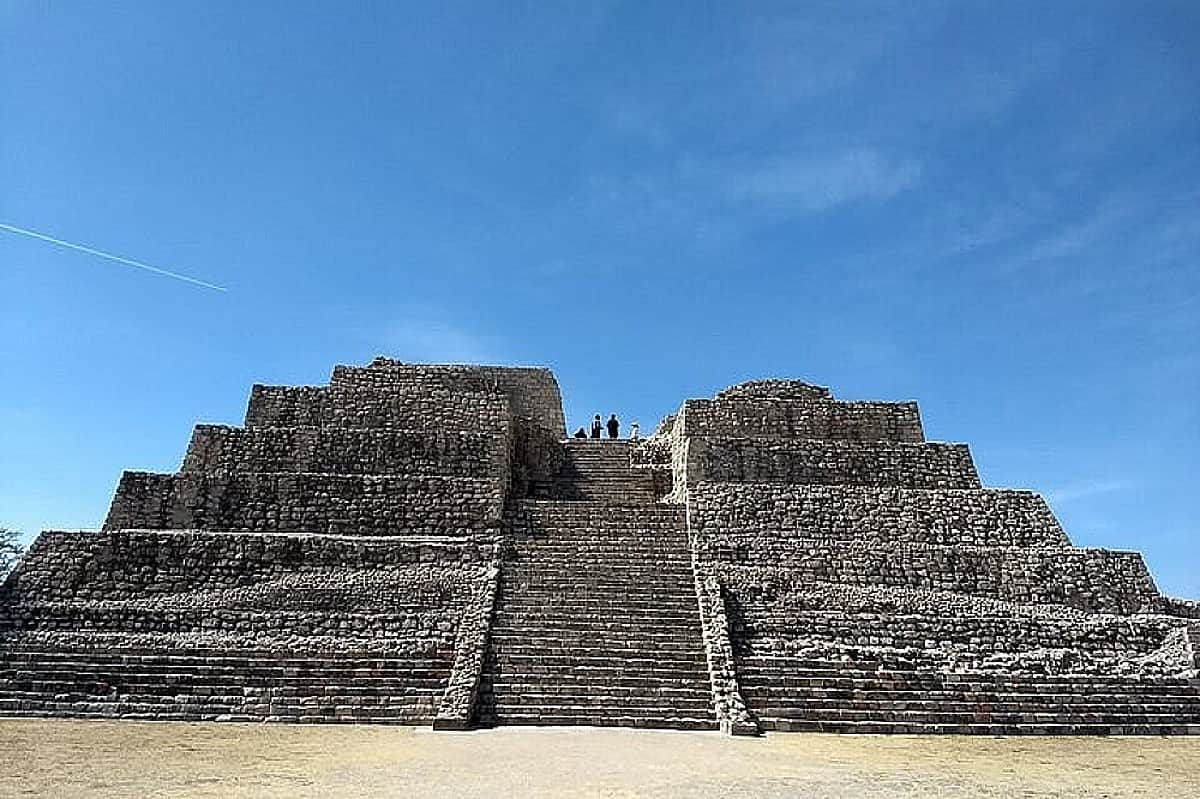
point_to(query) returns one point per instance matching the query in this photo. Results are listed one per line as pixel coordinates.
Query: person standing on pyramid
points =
(614, 427)
(596, 426)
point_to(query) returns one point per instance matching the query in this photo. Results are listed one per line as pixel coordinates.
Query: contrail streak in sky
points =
(43, 237)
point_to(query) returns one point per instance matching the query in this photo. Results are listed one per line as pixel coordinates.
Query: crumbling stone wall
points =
(835, 534)
(989, 517)
(354, 406)
(532, 393)
(125, 563)
(345, 450)
(755, 460)
(387, 449)
(1089, 579)
(787, 417)
(774, 389)
(308, 503)
(205, 585)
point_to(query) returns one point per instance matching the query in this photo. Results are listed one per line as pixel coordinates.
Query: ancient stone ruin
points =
(422, 545)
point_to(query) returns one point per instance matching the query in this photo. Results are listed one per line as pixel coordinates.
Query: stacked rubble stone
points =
(421, 544)
(860, 579)
(333, 560)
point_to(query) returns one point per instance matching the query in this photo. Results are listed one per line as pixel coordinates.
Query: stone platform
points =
(421, 544)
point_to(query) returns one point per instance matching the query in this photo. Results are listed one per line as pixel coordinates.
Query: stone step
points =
(88, 682)
(656, 616)
(607, 587)
(175, 711)
(596, 604)
(523, 591)
(611, 588)
(976, 714)
(849, 677)
(340, 697)
(636, 539)
(580, 518)
(244, 671)
(599, 662)
(581, 653)
(619, 560)
(649, 626)
(557, 717)
(203, 677)
(589, 563)
(547, 510)
(602, 635)
(911, 728)
(771, 692)
(697, 702)
(221, 657)
(613, 708)
(616, 684)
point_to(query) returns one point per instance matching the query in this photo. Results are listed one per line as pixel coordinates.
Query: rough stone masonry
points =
(422, 544)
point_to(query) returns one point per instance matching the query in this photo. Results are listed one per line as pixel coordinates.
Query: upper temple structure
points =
(422, 544)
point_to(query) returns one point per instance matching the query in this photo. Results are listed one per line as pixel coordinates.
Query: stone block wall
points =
(532, 392)
(787, 417)
(736, 512)
(345, 450)
(213, 586)
(382, 505)
(359, 406)
(834, 533)
(388, 449)
(1087, 579)
(774, 389)
(963, 631)
(128, 564)
(814, 461)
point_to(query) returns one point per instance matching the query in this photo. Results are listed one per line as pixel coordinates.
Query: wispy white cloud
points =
(1074, 492)
(1097, 229)
(815, 182)
(719, 201)
(420, 338)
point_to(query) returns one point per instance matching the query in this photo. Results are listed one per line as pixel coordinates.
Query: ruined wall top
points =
(532, 391)
(781, 389)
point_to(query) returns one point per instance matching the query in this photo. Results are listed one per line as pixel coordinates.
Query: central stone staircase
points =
(597, 621)
(598, 471)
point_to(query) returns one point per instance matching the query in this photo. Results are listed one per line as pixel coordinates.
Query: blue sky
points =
(993, 209)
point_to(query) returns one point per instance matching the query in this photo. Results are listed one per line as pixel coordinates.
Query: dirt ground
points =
(128, 759)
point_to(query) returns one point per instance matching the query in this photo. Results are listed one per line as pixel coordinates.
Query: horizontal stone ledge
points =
(800, 418)
(927, 465)
(348, 450)
(364, 407)
(311, 502)
(982, 516)
(1092, 580)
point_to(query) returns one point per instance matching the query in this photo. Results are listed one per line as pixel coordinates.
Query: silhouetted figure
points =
(581, 433)
(596, 426)
(614, 427)
(634, 432)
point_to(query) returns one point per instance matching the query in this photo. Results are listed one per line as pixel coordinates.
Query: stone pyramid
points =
(422, 544)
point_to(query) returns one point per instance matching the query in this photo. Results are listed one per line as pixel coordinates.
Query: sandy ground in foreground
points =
(62, 758)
